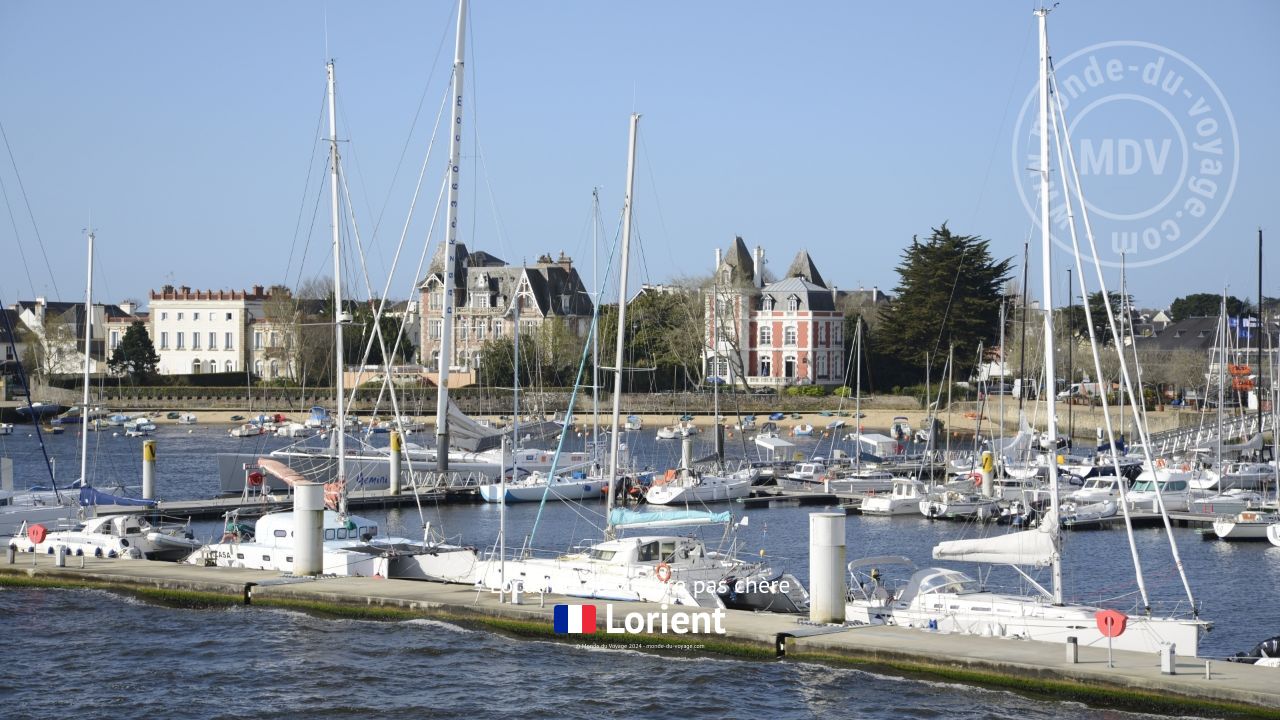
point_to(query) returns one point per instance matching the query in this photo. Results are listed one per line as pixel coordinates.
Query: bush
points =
(806, 391)
(843, 391)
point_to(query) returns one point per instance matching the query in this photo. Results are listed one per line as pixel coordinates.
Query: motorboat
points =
(1077, 515)
(6, 428)
(1098, 488)
(112, 536)
(1173, 487)
(683, 429)
(633, 422)
(351, 546)
(1231, 502)
(802, 430)
(187, 419)
(690, 486)
(903, 500)
(246, 430)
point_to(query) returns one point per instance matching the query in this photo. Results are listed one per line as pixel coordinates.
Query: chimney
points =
(759, 267)
(185, 289)
(835, 296)
(257, 290)
(718, 259)
(875, 294)
(128, 307)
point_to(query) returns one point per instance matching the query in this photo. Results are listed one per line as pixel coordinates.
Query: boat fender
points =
(97, 552)
(1185, 467)
(48, 550)
(255, 479)
(124, 542)
(663, 572)
(1160, 462)
(112, 554)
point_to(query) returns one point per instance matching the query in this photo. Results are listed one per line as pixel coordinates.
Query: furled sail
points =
(1028, 547)
(622, 518)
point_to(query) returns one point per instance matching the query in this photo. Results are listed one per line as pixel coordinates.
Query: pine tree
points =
(949, 291)
(135, 355)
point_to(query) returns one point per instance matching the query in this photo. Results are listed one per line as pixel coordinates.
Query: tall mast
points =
(1046, 250)
(338, 318)
(1257, 386)
(451, 248)
(595, 330)
(88, 341)
(627, 203)
(1071, 347)
(857, 392)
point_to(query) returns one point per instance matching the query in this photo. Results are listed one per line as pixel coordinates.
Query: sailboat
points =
(351, 544)
(650, 568)
(951, 601)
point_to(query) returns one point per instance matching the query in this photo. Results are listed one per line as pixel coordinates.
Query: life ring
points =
(663, 572)
(1185, 467)
(1160, 462)
(977, 479)
(255, 479)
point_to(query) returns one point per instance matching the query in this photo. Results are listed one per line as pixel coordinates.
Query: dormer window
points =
(793, 303)
(564, 302)
(766, 304)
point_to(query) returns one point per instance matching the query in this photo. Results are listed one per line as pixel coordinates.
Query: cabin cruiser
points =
(958, 500)
(1173, 487)
(125, 536)
(1231, 502)
(351, 546)
(904, 500)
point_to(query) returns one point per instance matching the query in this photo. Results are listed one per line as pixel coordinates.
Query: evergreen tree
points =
(1206, 305)
(949, 291)
(135, 356)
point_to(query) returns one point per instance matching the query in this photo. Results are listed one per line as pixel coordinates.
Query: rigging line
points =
(364, 185)
(564, 432)
(657, 206)
(27, 200)
(995, 141)
(1124, 368)
(306, 246)
(302, 201)
(17, 236)
(417, 113)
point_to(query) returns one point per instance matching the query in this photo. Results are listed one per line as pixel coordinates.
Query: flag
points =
(575, 619)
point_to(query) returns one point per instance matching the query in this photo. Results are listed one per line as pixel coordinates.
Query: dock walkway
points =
(1136, 681)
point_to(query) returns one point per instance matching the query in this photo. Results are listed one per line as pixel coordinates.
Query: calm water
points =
(232, 663)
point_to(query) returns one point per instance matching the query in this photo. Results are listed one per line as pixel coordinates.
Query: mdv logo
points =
(1155, 145)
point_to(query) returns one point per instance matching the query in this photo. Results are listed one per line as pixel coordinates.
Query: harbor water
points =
(109, 650)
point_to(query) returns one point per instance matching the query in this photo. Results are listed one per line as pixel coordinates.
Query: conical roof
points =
(803, 267)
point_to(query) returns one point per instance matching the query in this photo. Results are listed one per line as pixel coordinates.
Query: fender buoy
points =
(1160, 462)
(1185, 467)
(977, 479)
(663, 572)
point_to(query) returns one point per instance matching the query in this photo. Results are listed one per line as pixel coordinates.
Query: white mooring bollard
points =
(826, 567)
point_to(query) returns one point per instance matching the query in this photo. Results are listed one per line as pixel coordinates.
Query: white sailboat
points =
(951, 601)
(651, 568)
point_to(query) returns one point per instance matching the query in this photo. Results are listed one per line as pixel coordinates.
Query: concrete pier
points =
(1135, 683)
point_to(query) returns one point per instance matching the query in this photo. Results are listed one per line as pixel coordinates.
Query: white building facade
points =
(204, 331)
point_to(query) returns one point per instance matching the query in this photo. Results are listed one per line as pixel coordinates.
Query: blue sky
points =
(187, 132)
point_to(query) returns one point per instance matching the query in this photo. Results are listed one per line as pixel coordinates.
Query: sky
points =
(192, 136)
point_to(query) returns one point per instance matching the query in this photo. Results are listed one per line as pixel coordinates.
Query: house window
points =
(766, 303)
(257, 368)
(822, 365)
(462, 330)
(226, 341)
(789, 367)
(228, 316)
(179, 345)
(793, 303)
(479, 328)
(257, 341)
(213, 341)
(789, 336)
(115, 339)
(766, 367)
(195, 367)
(195, 341)
(275, 368)
(839, 332)
(164, 341)
(766, 335)
(497, 328)
(213, 366)
(179, 316)
(195, 316)
(275, 339)
(433, 329)
(164, 316)
(435, 300)
(229, 367)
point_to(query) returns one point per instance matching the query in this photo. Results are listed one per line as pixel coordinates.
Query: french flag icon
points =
(575, 619)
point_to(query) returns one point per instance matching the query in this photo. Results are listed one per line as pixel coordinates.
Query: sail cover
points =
(91, 496)
(1028, 547)
(623, 518)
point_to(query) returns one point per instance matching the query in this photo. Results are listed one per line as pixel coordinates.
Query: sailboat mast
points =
(451, 250)
(88, 340)
(622, 318)
(338, 389)
(1257, 386)
(595, 330)
(1050, 374)
(857, 392)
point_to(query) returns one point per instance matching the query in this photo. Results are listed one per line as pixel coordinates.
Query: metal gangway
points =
(1180, 440)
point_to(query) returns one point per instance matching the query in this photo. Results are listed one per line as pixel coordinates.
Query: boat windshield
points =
(948, 582)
